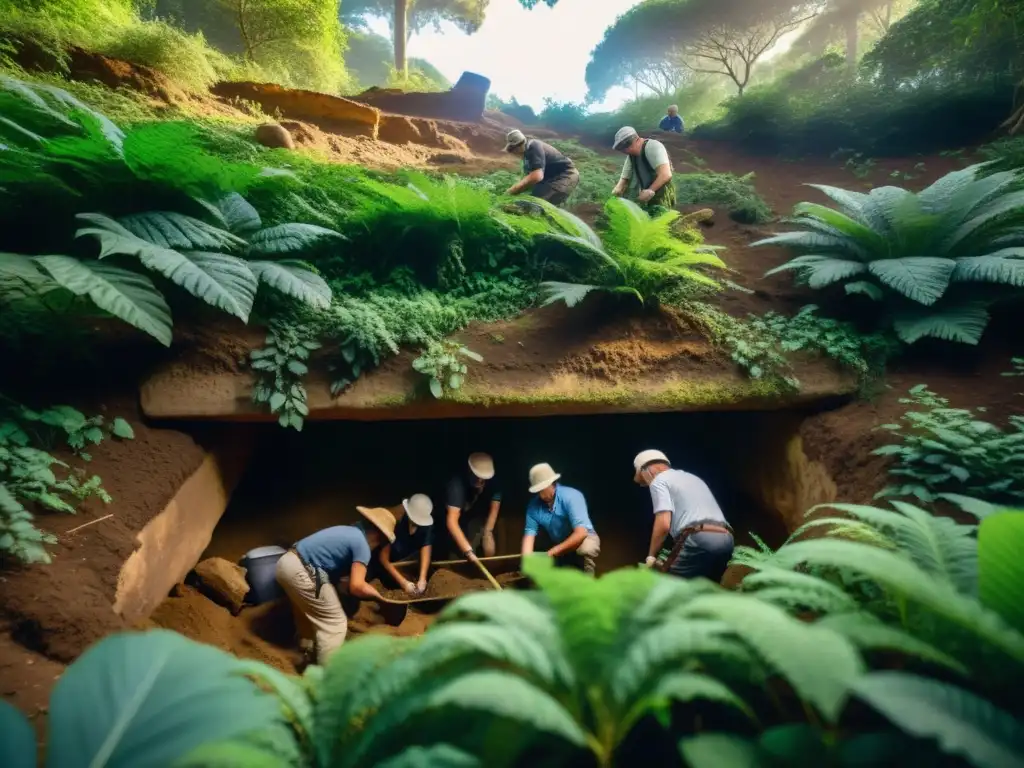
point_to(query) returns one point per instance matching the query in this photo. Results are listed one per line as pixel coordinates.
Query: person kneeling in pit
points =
(414, 532)
(561, 512)
(309, 571)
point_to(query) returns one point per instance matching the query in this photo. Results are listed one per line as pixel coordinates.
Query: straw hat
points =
(481, 465)
(644, 458)
(541, 476)
(513, 139)
(381, 518)
(419, 508)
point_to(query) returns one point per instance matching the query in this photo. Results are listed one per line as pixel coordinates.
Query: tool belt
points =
(684, 534)
(318, 575)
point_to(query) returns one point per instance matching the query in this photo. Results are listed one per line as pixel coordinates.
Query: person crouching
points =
(309, 571)
(561, 512)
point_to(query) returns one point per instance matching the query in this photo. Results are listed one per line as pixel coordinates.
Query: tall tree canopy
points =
(406, 17)
(719, 37)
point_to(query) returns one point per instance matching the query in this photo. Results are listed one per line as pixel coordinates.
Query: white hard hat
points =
(419, 508)
(481, 465)
(541, 476)
(646, 457)
(624, 135)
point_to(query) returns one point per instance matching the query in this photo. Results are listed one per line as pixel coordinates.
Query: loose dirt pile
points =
(444, 583)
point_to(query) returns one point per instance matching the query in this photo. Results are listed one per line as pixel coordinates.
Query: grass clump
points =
(735, 193)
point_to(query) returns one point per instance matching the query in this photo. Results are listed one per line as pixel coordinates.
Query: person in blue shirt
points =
(414, 534)
(309, 571)
(561, 512)
(672, 122)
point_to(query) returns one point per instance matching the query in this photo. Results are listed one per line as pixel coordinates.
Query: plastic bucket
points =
(261, 572)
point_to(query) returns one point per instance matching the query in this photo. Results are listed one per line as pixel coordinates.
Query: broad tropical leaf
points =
(960, 322)
(865, 288)
(295, 279)
(571, 293)
(165, 229)
(18, 742)
(150, 698)
(832, 271)
(922, 278)
(842, 223)
(239, 215)
(722, 750)
(222, 281)
(1001, 575)
(962, 723)
(289, 239)
(990, 269)
(128, 296)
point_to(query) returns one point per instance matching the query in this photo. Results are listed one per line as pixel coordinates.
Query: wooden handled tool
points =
(494, 581)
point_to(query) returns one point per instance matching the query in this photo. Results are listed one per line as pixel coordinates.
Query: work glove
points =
(650, 561)
(487, 543)
(409, 587)
(421, 586)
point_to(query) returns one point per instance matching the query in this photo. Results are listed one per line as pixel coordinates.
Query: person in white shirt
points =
(686, 510)
(647, 163)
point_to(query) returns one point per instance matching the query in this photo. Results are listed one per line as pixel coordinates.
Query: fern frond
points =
(964, 323)
(868, 633)
(294, 278)
(571, 293)
(922, 279)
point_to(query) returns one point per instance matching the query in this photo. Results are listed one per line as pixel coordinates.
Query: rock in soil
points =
(223, 581)
(274, 136)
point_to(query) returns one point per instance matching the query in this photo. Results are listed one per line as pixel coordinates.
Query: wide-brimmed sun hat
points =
(481, 465)
(419, 508)
(624, 137)
(541, 476)
(382, 520)
(514, 138)
(646, 457)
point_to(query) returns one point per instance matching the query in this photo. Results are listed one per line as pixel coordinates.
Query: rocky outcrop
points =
(464, 102)
(223, 582)
(331, 113)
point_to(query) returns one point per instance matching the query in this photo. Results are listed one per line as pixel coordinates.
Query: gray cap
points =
(514, 138)
(623, 136)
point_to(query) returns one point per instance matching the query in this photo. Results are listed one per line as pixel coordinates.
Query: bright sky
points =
(526, 54)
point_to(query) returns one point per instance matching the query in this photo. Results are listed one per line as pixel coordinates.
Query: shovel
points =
(494, 581)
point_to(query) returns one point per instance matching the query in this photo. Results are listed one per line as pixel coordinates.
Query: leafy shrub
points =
(186, 59)
(637, 254)
(736, 193)
(1006, 154)
(27, 471)
(760, 344)
(934, 260)
(945, 449)
(280, 367)
(442, 363)
(563, 116)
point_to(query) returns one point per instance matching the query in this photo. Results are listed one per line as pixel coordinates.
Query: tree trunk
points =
(401, 36)
(851, 43)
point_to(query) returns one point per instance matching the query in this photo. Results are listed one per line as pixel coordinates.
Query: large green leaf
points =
(722, 750)
(222, 281)
(815, 592)
(17, 739)
(920, 278)
(166, 229)
(964, 323)
(295, 279)
(148, 699)
(962, 723)
(231, 754)
(238, 214)
(289, 239)
(938, 197)
(850, 227)
(851, 202)
(571, 293)
(868, 633)
(1005, 206)
(814, 242)
(1001, 567)
(864, 288)
(129, 296)
(832, 271)
(436, 756)
(683, 687)
(819, 664)
(990, 269)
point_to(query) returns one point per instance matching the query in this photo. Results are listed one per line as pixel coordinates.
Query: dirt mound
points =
(446, 583)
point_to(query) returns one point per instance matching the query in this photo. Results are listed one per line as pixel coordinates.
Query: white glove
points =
(421, 586)
(487, 543)
(650, 561)
(409, 587)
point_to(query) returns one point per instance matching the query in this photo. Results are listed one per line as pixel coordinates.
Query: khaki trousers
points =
(322, 618)
(589, 550)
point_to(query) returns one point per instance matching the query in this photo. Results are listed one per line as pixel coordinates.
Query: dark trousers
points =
(558, 189)
(705, 553)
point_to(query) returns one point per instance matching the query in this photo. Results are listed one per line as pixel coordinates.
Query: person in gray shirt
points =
(547, 173)
(685, 509)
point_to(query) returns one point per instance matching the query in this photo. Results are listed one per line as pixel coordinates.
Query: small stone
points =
(223, 581)
(274, 136)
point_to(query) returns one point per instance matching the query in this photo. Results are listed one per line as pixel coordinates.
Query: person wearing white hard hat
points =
(686, 510)
(561, 513)
(414, 533)
(464, 497)
(647, 167)
(547, 173)
(309, 571)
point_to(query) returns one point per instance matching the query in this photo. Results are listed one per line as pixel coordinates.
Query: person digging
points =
(547, 173)
(309, 571)
(686, 510)
(561, 512)
(463, 500)
(414, 532)
(647, 167)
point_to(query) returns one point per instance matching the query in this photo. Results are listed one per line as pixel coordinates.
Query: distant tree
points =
(529, 4)
(369, 58)
(406, 17)
(848, 22)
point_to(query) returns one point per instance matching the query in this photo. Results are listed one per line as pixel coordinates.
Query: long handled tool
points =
(494, 581)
